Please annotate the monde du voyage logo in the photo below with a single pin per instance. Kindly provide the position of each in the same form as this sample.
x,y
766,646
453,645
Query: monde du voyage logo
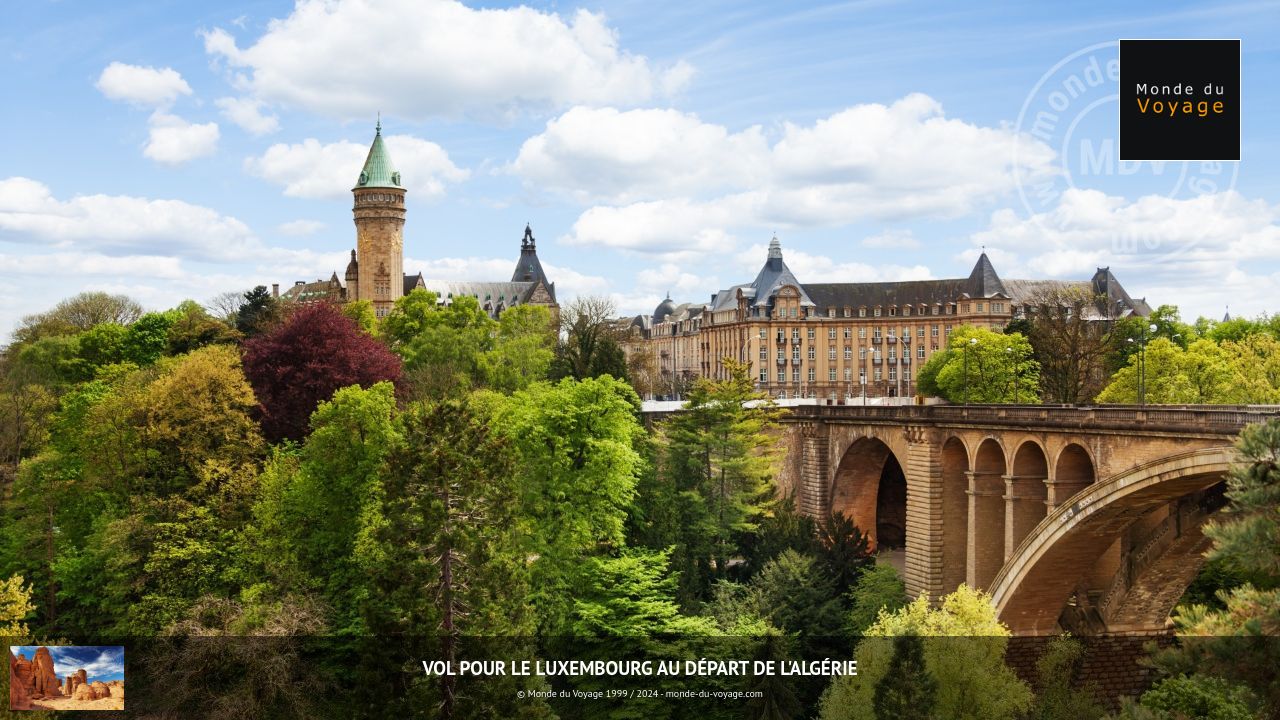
x,y
1180,100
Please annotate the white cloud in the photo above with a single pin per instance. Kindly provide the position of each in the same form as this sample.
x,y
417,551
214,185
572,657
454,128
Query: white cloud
x,y
892,240
674,279
810,268
152,266
142,85
118,224
672,230
664,179
619,157
347,58
248,114
300,227
313,170
1195,252
174,141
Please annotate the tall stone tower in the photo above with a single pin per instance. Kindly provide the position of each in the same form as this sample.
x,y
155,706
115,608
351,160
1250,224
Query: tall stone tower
x,y
378,265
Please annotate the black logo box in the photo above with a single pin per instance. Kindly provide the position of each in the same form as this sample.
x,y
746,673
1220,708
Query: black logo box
x,y
1160,77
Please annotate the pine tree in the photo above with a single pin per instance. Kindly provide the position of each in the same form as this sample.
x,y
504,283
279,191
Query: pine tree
x,y
721,460
907,689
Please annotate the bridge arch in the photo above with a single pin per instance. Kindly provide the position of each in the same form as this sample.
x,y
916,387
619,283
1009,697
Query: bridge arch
x,y
870,487
1073,470
1026,493
986,512
955,512
1033,587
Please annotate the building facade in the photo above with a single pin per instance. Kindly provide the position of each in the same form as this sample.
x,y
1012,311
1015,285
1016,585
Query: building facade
x,y
376,270
835,340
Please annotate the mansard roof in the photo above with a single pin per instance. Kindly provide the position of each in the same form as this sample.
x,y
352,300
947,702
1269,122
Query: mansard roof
x,y
885,294
774,275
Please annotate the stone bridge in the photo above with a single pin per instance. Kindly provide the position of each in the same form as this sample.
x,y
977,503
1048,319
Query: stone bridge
x,y
1079,518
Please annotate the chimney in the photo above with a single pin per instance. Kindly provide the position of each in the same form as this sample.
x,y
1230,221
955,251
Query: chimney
x,y
275,289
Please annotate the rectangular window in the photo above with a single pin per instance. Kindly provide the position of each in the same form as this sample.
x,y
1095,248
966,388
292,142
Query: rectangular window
x,y
846,312
831,375
906,311
831,333
782,376
795,352
862,333
764,375
862,312
879,376
848,373
934,331
848,353
831,353
862,353
935,347
831,312
862,376
893,374
948,331
795,334
764,334
795,375
813,352
920,351
920,331
812,375
811,331
893,311
875,334
764,353
979,307
877,312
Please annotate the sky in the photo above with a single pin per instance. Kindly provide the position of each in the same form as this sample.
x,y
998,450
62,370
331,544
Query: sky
x,y
101,663
171,150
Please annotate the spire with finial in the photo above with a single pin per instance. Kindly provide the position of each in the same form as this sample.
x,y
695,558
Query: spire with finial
x,y
775,248
527,241
378,170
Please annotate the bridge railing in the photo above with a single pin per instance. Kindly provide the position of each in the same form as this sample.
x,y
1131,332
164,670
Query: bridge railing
x,y
1210,418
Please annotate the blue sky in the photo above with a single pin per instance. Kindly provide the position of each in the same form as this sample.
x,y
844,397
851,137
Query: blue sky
x,y
101,663
170,150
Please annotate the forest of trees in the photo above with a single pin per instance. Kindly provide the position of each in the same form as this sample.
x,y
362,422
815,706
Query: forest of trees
x,y
284,507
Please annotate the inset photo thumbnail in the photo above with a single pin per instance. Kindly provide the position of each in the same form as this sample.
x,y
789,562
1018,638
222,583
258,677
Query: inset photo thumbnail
x,y
66,677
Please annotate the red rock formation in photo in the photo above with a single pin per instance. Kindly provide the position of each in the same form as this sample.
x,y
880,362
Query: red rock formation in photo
x,y
44,679
19,698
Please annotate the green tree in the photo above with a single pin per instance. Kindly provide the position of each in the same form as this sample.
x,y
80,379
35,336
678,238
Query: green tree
x,y
311,512
907,689
442,345
78,313
101,345
964,646
522,349
1255,367
1166,377
843,551
1055,698
720,458
193,327
1237,643
257,312
361,311
574,477
796,595
1197,698
631,595
147,338
982,366
590,347
878,589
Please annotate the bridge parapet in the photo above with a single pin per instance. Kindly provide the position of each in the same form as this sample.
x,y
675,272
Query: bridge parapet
x,y
1213,419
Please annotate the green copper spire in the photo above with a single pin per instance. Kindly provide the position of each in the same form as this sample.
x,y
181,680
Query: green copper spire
x,y
378,170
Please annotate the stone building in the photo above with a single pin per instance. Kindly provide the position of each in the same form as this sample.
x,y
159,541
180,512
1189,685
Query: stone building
x,y
376,270
835,340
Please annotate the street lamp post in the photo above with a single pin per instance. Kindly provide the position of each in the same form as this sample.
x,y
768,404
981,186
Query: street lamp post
x,y
972,342
1142,362
1013,374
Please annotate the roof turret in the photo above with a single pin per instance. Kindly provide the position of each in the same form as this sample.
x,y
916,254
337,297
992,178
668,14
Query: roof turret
x,y
378,171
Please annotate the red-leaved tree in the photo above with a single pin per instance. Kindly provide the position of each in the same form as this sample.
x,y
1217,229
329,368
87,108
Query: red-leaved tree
x,y
301,362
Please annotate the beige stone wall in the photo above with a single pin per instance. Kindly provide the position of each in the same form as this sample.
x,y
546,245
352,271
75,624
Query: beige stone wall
x,y
379,217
